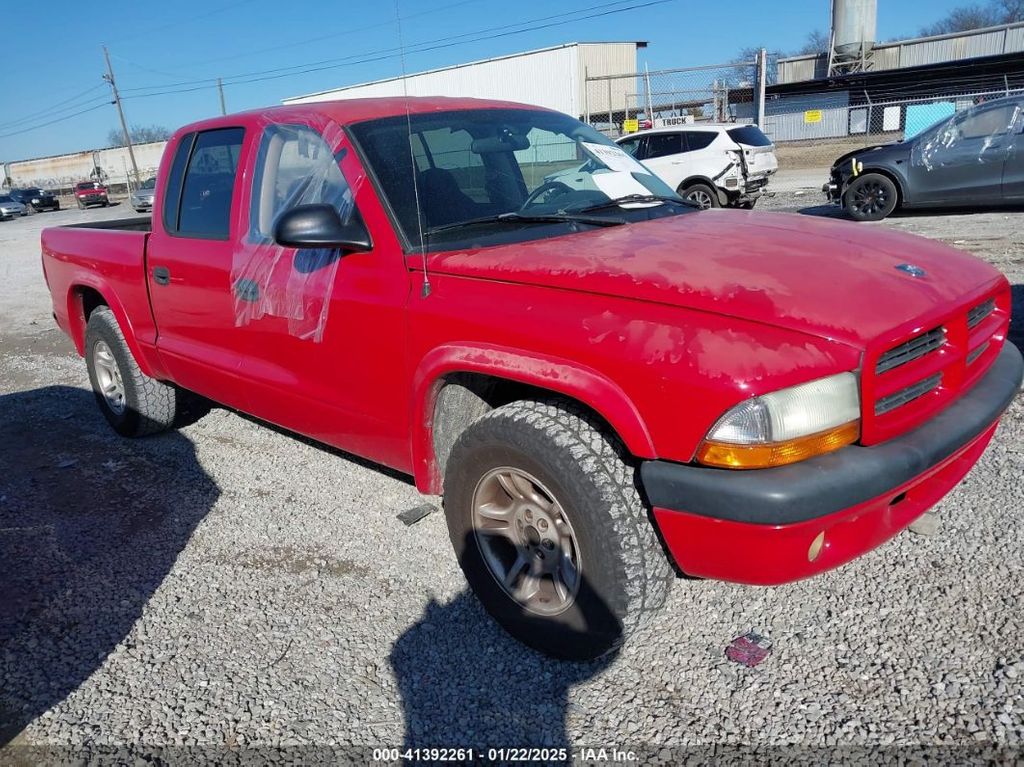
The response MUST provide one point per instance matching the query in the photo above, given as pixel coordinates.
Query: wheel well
(89, 299)
(889, 175)
(462, 398)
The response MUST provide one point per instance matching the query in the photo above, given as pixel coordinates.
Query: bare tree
(816, 42)
(968, 17)
(141, 134)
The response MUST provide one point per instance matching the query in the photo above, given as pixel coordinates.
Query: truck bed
(134, 224)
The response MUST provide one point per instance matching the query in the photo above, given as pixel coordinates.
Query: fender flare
(559, 376)
(77, 322)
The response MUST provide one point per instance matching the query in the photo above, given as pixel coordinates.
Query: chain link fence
(810, 127)
(620, 104)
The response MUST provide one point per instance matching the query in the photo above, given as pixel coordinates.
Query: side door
(324, 330)
(188, 265)
(663, 154)
(1013, 170)
(962, 161)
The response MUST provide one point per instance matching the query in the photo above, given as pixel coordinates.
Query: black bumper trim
(848, 477)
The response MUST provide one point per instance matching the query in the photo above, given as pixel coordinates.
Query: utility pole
(220, 88)
(109, 77)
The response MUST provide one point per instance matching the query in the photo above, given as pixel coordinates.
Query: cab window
(207, 165)
(294, 167)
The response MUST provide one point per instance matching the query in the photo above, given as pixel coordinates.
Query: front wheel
(870, 197)
(701, 195)
(550, 530)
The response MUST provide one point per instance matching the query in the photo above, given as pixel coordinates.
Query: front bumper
(47, 203)
(144, 203)
(92, 199)
(762, 527)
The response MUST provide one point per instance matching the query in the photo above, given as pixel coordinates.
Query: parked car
(142, 198)
(710, 165)
(35, 199)
(11, 208)
(603, 388)
(974, 158)
(91, 193)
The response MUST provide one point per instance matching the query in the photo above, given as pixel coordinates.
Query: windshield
(88, 185)
(506, 174)
(149, 183)
(32, 192)
(5, 198)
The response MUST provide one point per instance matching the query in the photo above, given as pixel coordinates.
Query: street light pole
(109, 77)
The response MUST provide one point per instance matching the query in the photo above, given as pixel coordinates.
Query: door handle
(161, 275)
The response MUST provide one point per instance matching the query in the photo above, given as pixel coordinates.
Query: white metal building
(549, 77)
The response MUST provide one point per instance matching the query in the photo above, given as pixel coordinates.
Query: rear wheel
(870, 197)
(132, 402)
(550, 530)
(701, 195)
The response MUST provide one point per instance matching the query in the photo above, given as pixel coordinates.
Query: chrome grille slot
(976, 315)
(913, 349)
(977, 353)
(903, 396)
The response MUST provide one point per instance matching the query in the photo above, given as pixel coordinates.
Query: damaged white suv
(710, 165)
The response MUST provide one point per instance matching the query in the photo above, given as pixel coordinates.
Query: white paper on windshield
(617, 184)
(613, 158)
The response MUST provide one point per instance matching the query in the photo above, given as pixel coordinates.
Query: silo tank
(854, 24)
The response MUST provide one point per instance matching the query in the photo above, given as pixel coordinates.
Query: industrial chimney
(854, 26)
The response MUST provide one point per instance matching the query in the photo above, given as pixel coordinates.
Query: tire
(870, 197)
(702, 195)
(552, 451)
(748, 205)
(135, 404)
(80, 205)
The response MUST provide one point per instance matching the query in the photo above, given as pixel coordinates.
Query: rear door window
(203, 205)
(699, 140)
(663, 145)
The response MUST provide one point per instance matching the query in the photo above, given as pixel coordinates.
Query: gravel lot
(230, 585)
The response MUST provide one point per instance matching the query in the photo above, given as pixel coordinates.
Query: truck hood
(831, 279)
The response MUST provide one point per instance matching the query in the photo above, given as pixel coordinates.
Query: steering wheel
(545, 188)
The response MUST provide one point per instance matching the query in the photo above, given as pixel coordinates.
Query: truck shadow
(90, 525)
(464, 682)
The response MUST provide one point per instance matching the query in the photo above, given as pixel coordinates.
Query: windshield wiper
(626, 199)
(526, 218)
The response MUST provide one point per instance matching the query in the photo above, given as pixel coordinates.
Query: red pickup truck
(608, 386)
(91, 193)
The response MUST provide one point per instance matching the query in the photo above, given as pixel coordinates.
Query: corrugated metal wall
(599, 60)
(786, 117)
(545, 78)
(552, 78)
(993, 41)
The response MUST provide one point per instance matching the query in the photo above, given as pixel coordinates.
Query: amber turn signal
(731, 456)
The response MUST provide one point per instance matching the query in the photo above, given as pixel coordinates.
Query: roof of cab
(349, 111)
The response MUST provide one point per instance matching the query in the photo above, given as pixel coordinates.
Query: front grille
(903, 396)
(913, 349)
(976, 315)
(973, 356)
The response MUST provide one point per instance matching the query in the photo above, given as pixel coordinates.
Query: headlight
(786, 426)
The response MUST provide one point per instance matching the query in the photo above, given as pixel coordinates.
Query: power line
(54, 107)
(389, 53)
(51, 122)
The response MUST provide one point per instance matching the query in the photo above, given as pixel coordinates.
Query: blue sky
(54, 62)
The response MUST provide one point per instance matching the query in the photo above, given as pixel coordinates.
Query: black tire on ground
(105, 203)
(624, 574)
(748, 205)
(870, 197)
(149, 406)
(80, 205)
(700, 194)
(56, 207)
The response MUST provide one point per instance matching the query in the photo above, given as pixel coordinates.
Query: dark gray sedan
(975, 157)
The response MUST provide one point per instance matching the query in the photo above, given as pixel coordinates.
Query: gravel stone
(228, 585)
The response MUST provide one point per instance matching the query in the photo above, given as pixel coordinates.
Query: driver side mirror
(319, 226)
